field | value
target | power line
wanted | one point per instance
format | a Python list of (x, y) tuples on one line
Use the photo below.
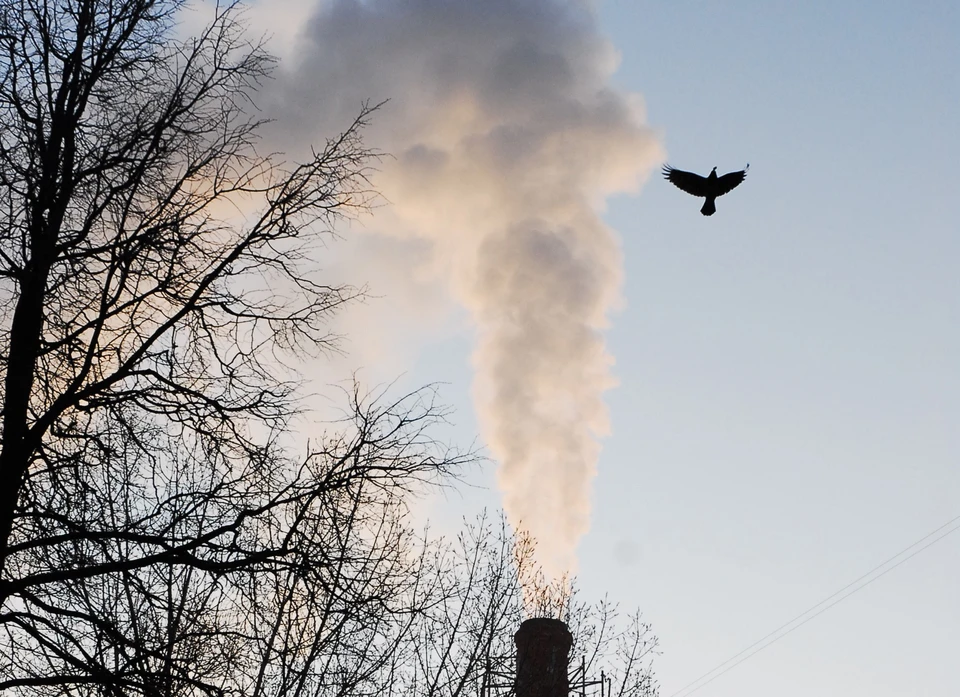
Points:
[(821, 607)]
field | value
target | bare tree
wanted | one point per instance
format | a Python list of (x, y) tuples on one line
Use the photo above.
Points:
[(487, 583), (158, 535)]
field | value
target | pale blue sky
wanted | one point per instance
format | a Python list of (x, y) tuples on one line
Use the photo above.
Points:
[(788, 414)]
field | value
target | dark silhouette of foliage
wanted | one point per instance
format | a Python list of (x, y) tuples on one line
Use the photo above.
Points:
[(709, 187)]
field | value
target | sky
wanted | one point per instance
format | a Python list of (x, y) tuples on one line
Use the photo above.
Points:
[(768, 399)]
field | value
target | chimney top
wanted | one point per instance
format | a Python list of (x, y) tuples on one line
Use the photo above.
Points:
[(543, 647)]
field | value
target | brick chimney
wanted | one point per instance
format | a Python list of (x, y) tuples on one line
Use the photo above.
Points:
[(543, 647)]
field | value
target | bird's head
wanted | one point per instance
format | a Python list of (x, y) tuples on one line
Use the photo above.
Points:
[(713, 171)]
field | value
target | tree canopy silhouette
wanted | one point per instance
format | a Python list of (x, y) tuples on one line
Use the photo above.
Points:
[(160, 533), (709, 187)]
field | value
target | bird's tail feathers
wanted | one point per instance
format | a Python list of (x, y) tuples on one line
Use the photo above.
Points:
[(709, 208)]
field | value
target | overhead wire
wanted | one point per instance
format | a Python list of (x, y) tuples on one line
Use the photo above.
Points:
[(824, 605)]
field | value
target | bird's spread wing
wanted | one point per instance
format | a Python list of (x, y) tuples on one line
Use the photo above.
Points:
[(728, 182), (688, 181)]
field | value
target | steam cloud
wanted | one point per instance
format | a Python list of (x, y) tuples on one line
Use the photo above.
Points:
[(507, 138)]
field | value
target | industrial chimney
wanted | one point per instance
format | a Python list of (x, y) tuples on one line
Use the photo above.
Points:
[(543, 648)]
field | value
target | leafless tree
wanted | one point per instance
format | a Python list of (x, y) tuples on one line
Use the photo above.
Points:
[(158, 534), (487, 583)]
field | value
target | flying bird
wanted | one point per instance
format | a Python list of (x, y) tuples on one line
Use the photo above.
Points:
[(708, 187)]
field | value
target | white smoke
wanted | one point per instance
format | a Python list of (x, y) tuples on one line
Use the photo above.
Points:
[(507, 138)]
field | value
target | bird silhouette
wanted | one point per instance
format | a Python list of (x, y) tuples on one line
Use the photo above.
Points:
[(708, 187)]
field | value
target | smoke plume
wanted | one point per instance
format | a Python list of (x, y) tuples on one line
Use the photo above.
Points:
[(506, 138)]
